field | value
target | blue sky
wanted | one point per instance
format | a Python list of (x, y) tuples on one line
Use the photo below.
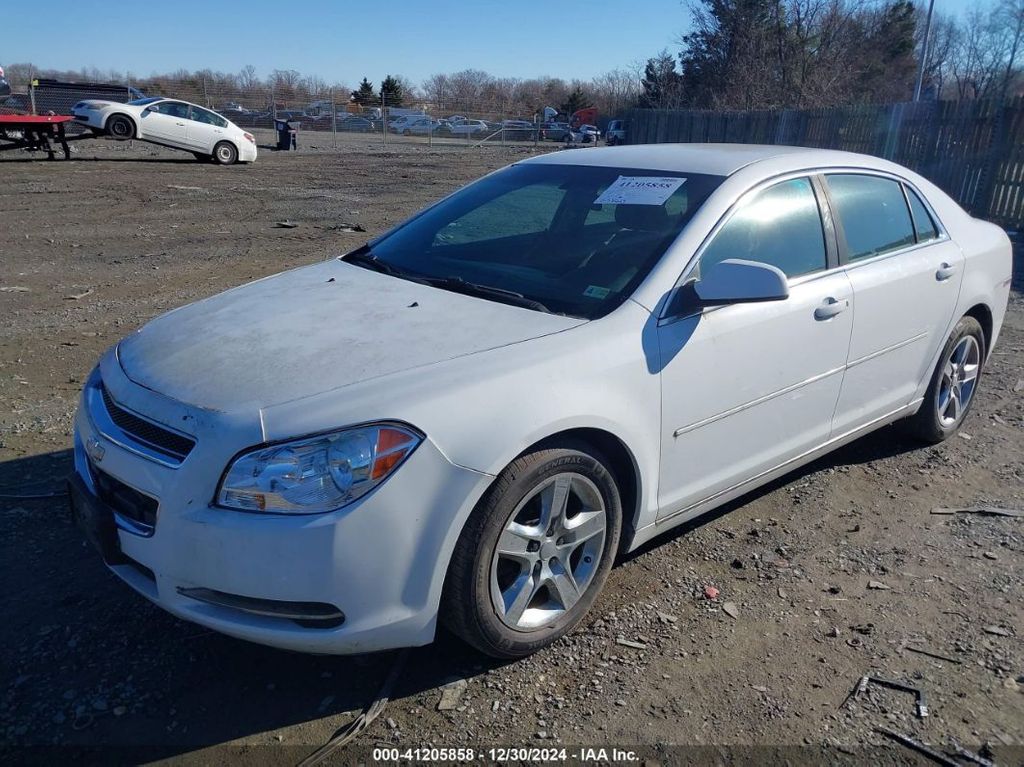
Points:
[(343, 41)]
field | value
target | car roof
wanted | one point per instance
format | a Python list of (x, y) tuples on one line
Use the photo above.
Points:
[(712, 159)]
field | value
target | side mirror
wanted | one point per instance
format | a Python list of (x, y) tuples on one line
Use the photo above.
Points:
[(153, 108), (735, 281)]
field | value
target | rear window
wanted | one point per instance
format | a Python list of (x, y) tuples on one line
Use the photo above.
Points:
[(873, 214)]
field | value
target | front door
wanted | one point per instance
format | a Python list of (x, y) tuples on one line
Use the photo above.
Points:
[(166, 122), (748, 387)]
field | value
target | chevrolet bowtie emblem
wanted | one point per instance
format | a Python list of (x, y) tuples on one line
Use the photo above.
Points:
[(95, 450)]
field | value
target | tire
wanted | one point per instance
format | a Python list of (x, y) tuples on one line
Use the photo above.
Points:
[(479, 603), (225, 153), (120, 128), (954, 385)]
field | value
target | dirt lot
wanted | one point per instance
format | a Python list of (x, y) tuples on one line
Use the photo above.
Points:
[(92, 248)]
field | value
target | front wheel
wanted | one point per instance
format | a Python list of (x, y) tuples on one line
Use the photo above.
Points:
[(121, 128), (534, 553), (953, 386), (225, 153)]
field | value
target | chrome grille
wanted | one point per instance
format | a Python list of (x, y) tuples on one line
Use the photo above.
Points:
[(155, 437)]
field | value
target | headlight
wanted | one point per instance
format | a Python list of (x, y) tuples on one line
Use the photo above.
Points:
[(316, 474)]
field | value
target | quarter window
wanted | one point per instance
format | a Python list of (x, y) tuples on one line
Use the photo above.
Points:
[(924, 227), (781, 226), (873, 213)]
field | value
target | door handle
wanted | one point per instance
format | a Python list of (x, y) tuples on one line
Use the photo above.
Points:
[(829, 308), (945, 272)]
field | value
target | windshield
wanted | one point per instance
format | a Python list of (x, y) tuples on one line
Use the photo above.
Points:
[(571, 239), (143, 102)]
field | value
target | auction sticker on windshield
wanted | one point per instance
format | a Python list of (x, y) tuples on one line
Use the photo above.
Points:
[(640, 190)]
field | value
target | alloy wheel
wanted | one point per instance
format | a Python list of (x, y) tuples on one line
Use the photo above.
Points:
[(959, 377), (548, 552)]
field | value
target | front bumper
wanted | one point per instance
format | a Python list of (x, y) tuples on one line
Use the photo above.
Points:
[(379, 561)]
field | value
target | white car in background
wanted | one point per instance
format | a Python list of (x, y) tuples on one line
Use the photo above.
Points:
[(468, 128), (170, 122), (422, 126), (469, 418)]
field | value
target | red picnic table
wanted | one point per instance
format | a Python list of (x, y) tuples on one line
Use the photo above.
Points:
[(36, 132)]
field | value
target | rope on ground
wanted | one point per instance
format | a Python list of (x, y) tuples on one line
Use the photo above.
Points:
[(29, 497), (350, 731)]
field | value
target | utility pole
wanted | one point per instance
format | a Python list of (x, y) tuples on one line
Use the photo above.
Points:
[(924, 51)]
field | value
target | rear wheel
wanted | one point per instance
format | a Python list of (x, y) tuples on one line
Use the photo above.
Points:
[(225, 153), (121, 127), (953, 386), (534, 554)]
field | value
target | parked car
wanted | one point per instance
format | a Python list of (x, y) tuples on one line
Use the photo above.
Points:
[(356, 125), (5, 87), (745, 310), (424, 126), (583, 134), (401, 122), (173, 123), (472, 128), (615, 133), (517, 130), (15, 104), (554, 131)]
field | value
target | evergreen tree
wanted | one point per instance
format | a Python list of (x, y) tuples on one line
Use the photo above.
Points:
[(392, 92), (365, 95), (662, 84), (575, 101)]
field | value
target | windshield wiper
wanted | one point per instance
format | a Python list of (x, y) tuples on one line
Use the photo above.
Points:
[(459, 285), (363, 257)]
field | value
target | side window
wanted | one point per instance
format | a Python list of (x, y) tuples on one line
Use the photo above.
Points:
[(534, 205), (208, 117), (781, 226), (171, 109), (924, 227), (873, 213)]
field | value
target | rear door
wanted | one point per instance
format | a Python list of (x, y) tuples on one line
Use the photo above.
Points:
[(205, 129), (906, 276), (167, 123)]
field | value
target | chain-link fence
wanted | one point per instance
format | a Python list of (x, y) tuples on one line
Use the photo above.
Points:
[(324, 118)]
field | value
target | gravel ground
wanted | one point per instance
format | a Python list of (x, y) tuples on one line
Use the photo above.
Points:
[(837, 571)]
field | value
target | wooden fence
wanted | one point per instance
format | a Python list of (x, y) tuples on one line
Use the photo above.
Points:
[(974, 150)]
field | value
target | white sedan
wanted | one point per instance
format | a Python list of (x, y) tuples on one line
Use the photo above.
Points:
[(173, 123), (469, 418)]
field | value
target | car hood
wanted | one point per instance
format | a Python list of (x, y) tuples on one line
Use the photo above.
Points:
[(312, 330)]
